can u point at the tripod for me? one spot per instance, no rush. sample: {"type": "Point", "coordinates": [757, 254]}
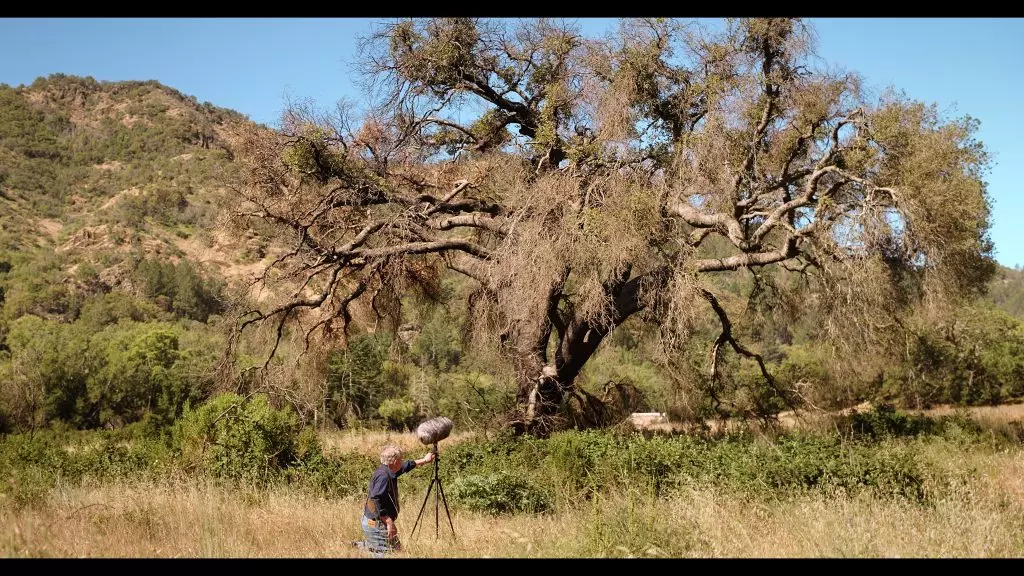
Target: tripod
{"type": "Point", "coordinates": [437, 502]}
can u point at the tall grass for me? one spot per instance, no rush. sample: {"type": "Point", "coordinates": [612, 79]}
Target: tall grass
{"type": "Point", "coordinates": [983, 516]}
{"type": "Point", "coordinates": [896, 485]}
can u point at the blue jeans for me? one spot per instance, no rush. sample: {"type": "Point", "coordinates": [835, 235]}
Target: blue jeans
{"type": "Point", "coordinates": [377, 541]}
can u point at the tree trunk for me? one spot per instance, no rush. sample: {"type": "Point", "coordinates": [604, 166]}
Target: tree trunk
{"type": "Point", "coordinates": [543, 386]}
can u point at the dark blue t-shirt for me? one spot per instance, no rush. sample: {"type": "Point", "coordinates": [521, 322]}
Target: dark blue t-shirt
{"type": "Point", "coordinates": [382, 498]}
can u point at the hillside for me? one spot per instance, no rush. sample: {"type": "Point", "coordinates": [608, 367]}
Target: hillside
{"type": "Point", "coordinates": [96, 177]}
{"type": "Point", "coordinates": [1007, 291]}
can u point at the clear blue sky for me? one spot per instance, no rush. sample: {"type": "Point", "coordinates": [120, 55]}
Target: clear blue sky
{"type": "Point", "coordinates": [966, 66]}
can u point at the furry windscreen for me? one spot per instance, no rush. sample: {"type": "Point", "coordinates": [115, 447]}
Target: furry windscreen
{"type": "Point", "coordinates": [434, 430]}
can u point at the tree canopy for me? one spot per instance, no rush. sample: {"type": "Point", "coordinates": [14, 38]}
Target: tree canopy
{"type": "Point", "coordinates": [581, 182]}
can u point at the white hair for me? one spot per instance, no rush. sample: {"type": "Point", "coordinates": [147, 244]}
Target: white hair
{"type": "Point", "coordinates": [390, 454]}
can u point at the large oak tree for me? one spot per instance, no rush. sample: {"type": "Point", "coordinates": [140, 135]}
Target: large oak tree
{"type": "Point", "coordinates": [581, 182]}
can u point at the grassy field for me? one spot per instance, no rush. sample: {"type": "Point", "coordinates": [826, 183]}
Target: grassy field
{"type": "Point", "coordinates": [974, 508]}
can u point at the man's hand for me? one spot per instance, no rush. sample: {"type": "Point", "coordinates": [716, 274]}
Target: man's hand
{"type": "Point", "coordinates": [426, 459]}
{"type": "Point", "coordinates": [392, 531]}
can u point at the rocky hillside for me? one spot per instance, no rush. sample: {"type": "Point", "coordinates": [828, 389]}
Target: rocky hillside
{"type": "Point", "coordinates": [97, 179]}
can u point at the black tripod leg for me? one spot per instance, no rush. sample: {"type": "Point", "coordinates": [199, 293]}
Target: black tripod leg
{"type": "Point", "coordinates": [444, 499]}
{"type": "Point", "coordinates": [424, 505]}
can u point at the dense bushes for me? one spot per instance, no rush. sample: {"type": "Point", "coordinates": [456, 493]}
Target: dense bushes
{"type": "Point", "coordinates": [31, 464]}
{"type": "Point", "coordinates": [583, 465]}
{"type": "Point", "coordinates": [247, 442]}
{"type": "Point", "coordinates": [974, 357]}
{"type": "Point", "coordinates": [242, 441]}
{"type": "Point", "coordinates": [335, 476]}
{"type": "Point", "coordinates": [91, 375]}
{"type": "Point", "coordinates": [238, 438]}
{"type": "Point", "coordinates": [500, 493]}
{"type": "Point", "coordinates": [180, 288]}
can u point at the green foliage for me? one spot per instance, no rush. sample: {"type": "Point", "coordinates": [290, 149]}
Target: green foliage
{"type": "Point", "coordinates": [335, 477]}
{"type": "Point", "coordinates": [32, 464]}
{"type": "Point", "coordinates": [399, 413]}
{"type": "Point", "coordinates": [361, 377]}
{"type": "Point", "coordinates": [621, 364]}
{"type": "Point", "coordinates": [329, 477]}
{"type": "Point", "coordinates": [105, 309]}
{"type": "Point", "coordinates": [438, 344]}
{"type": "Point", "coordinates": [802, 365]}
{"type": "Point", "coordinates": [33, 285]}
{"type": "Point", "coordinates": [585, 465]}
{"type": "Point", "coordinates": [469, 398]}
{"type": "Point", "coordinates": [884, 422]}
{"type": "Point", "coordinates": [573, 461]}
{"type": "Point", "coordinates": [180, 288]}
{"type": "Point", "coordinates": [500, 493]}
{"type": "Point", "coordinates": [90, 375]}
{"type": "Point", "coordinates": [243, 439]}
{"type": "Point", "coordinates": [976, 356]}
{"type": "Point", "coordinates": [47, 376]}
{"type": "Point", "coordinates": [146, 371]}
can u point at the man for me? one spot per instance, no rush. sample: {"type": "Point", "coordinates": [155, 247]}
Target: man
{"type": "Point", "coordinates": [381, 508]}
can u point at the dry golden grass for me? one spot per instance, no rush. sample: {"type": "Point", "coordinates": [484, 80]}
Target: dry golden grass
{"type": "Point", "coordinates": [1003, 417]}
{"type": "Point", "coordinates": [981, 515]}
{"type": "Point", "coordinates": [991, 417]}
{"type": "Point", "coordinates": [369, 442]}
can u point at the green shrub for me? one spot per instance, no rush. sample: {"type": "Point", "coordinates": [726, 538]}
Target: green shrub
{"type": "Point", "coordinates": [500, 493]}
{"type": "Point", "coordinates": [576, 461]}
{"type": "Point", "coordinates": [399, 413]}
{"type": "Point", "coordinates": [243, 439]}
{"type": "Point", "coordinates": [325, 476]}
{"type": "Point", "coordinates": [885, 421]}
{"type": "Point", "coordinates": [32, 464]}
{"type": "Point", "coordinates": [577, 465]}
{"type": "Point", "coordinates": [333, 477]}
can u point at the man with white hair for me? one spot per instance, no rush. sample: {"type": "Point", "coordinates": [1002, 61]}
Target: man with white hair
{"type": "Point", "coordinates": [381, 508]}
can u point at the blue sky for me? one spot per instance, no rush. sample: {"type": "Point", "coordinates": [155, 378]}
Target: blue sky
{"type": "Point", "coordinates": [966, 66]}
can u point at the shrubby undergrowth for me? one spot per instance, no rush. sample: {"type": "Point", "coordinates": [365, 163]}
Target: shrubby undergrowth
{"type": "Point", "coordinates": [246, 442]}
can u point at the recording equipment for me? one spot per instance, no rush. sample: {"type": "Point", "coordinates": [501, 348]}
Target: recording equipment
{"type": "Point", "coordinates": [434, 430]}
{"type": "Point", "coordinates": [431, 432]}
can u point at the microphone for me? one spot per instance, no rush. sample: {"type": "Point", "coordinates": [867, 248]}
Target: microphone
{"type": "Point", "coordinates": [434, 430]}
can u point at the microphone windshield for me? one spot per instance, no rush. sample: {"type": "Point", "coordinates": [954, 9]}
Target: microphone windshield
{"type": "Point", "coordinates": [434, 430]}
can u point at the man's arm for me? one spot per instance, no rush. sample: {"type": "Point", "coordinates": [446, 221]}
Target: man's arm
{"type": "Point", "coordinates": [429, 457]}
{"type": "Point", "coordinates": [390, 523]}
{"type": "Point", "coordinates": [410, 464]}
